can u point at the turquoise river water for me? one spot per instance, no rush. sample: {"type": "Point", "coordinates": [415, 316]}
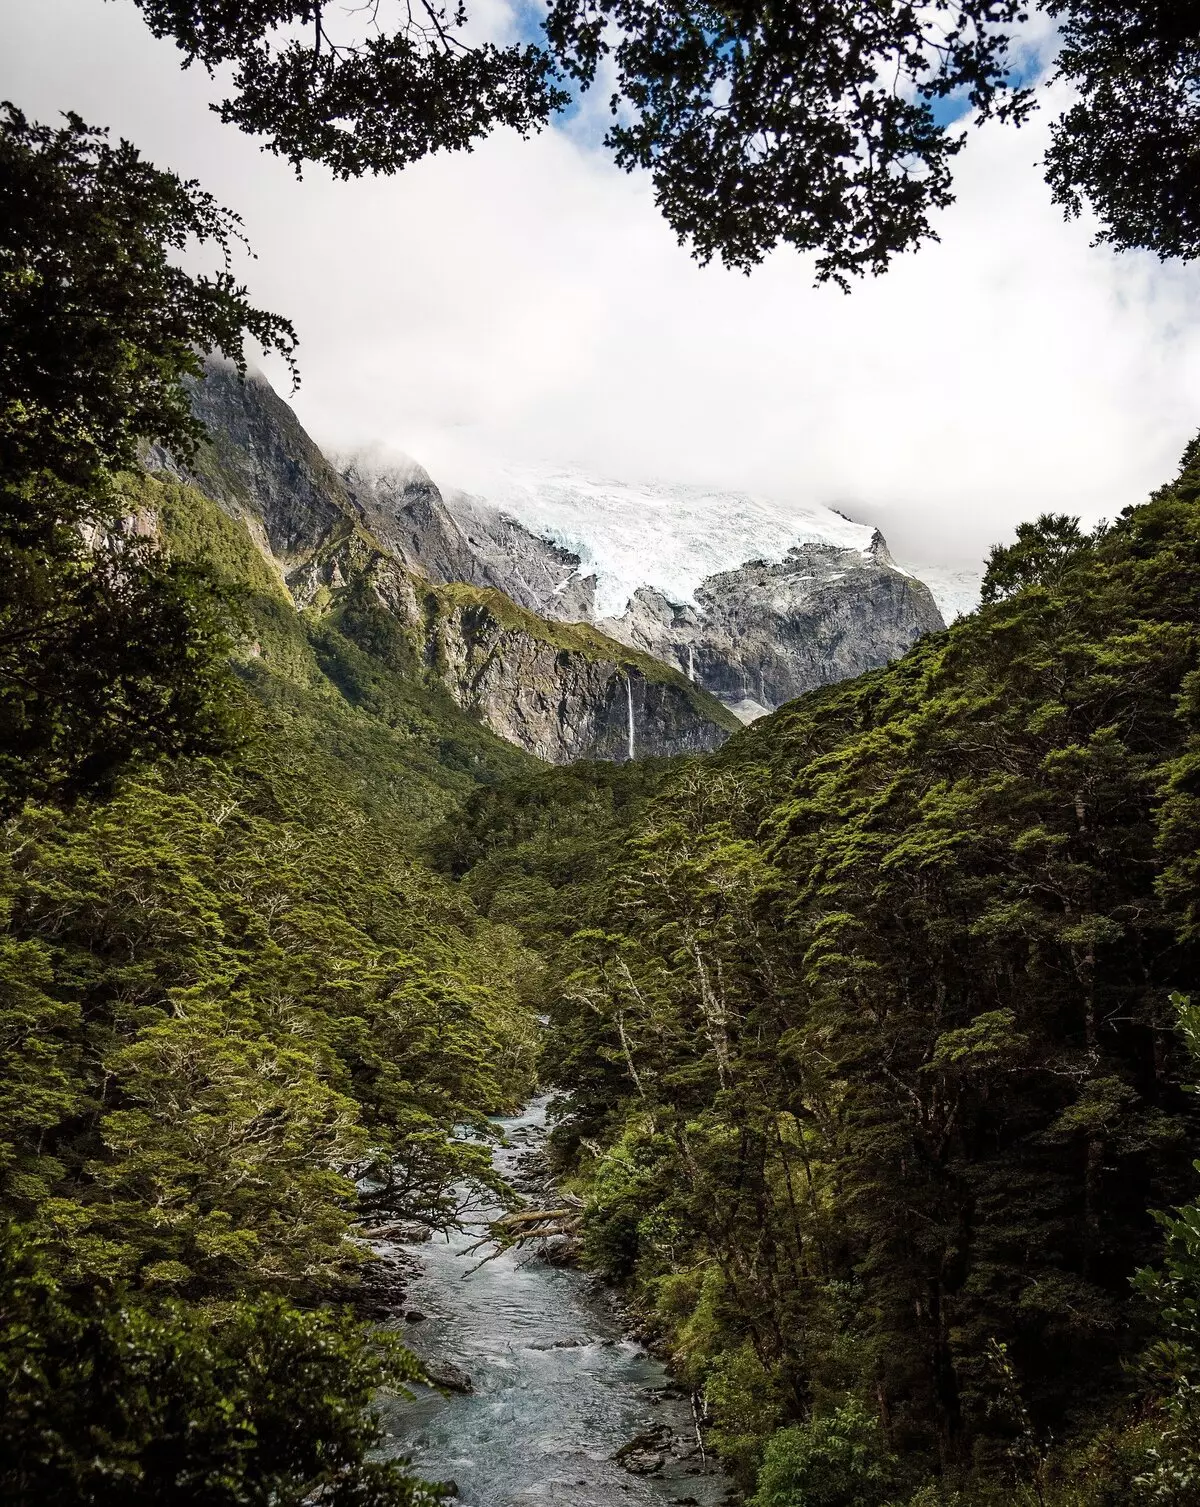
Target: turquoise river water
{"type": "Point", "coordinates": [557, 1387]}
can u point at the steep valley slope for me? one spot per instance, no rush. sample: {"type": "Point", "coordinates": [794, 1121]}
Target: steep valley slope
{"type": "Point", "coordinates": [386, 563]}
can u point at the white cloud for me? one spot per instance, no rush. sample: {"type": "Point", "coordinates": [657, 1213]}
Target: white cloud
{"type": "Point", "coordinates": [526, 303]}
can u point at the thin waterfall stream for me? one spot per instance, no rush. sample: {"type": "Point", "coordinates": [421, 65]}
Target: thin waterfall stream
{"type": "Point", "coordinates": [558, 1389]}
{"type": "Point", "coordinates": [629, 704]}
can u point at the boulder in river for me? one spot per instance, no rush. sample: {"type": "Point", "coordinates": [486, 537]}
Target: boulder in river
{"type": "Point", "coordinates": [449, 1377]}
{"type": "Point", "coordinates": [646, 1452]}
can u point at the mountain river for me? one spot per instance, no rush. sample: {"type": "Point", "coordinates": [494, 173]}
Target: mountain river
{"type": "Point", "coordinates": [557, 1387]}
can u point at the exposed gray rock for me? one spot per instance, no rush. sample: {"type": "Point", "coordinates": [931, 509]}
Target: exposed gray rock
{"type": "Point", "coordinates": [535, 572]}
{"type": "Point", "coordinates": [448, 1376]}
{"type": "Point", "coordinates": [455, 537]}
{"type": "Point", "coordinates": [400, 505]}
{"type": "Point", "coordinates": [561, 705]}
{"type": "Point", "coordinates": [646, 1453]}
{"type": "Point", "coordinates": [767, 632]}
{"type": "Point", "coordinates": [262, 463]}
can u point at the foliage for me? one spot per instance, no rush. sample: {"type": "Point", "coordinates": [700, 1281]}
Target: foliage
{"type": "Point", "coordinates": [227, 999]}
{"type": "Point", "coordinates": [1127, 148]}
{"type": "Point", "coordinates": [99, 323]}
{"type": "Point", "coordinates": [835, 1461]}
{"type": "Point", "coordinates": [765, 124]}
{"type": "Point", "coordinates": [110, 1403]}
{"type": "Point", "coordinates": [238, 1017]}
{"type": "Point", "coordinates": [108, 652]}
{"type": "Point", "coordinates": [866, 1026]}
{"type": "Point", "coordinates": [407, 92]}
{"type": "Point", "coordinates": [825, 127]}
{"type": "Point", "coordinates": [1173, 1362]}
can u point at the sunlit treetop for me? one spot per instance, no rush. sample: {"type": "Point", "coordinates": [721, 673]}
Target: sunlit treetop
{"type": "Point", "coordinates": [827, 125]}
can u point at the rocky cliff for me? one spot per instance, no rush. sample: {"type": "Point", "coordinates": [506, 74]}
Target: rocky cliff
{"type": "Point", "coordinates": [455, 537]}
{"type": "Point", "coordinates": [379, 552]}
{"type": "Point", "coordinates": [767, 632]}
{"type": "Point", "coordinates": [756, 634]}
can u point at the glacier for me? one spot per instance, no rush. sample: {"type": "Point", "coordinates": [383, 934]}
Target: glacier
{"type": "Point", "coordinates": [673, 536]}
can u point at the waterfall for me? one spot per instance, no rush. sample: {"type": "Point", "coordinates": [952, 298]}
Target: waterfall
{"type": "Point", "coordinates": [691, 665]}
{"type": "Point", "coordinates": [629, 704]}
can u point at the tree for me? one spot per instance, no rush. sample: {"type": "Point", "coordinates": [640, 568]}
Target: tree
{"type": "Point", "coordinates": [820, 124]}
{"type": "Point", "coordinates": [867, 1039]}
{"type": "Point", "coordinates": [1172, 1364]}
{"type": "Point", "coordinates": [108, 650]}
{"type": "Point", "coordinates": [837, 1461]}
{"type": "Point", "coordinates": [110, 1403]}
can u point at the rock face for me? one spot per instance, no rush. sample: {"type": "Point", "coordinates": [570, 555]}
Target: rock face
{"type": "Point", "coordinates": [339, 537]}
{"type": "Point", "coordinates": [767, 632]}
{"type": "Point", "coordinates": [455, 537]}
{"type": "Point", "coordinates": [261, 465]}
{"type": "Point", "coordinates": [535, 572]}
{"type": "Point", "coordinates": [554, 699]}
{"type": "Point", "coordinates": [500, 616]}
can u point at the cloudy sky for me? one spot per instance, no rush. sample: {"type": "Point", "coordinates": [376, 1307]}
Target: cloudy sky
{"type": "Point", "coordinates": [524, 304]}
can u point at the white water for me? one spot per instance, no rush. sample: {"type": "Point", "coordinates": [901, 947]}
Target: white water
{"type": "Point", "coordinates": [629, 704]}
{"type": "Point", "coordinates": [557, 1388]}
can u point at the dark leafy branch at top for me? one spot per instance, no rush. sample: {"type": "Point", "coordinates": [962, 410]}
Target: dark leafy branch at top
{"type": "Point", "coordinates": [372, 107]}
{"type": "Point", "coordinates": [813, 124]}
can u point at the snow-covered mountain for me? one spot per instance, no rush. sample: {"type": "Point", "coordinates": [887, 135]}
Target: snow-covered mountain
{"type": "Point", "coordinates": [672, 537]}
{"type": "Point", "coordinates": [755, 602]}
{"type": "Point", "coordinates": [752, 601]}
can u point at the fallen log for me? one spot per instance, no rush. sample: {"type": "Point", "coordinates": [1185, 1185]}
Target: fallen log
{"type": "Point", "coordinates": [531, 1216]}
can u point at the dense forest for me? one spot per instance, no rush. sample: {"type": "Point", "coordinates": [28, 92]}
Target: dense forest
{"type": "Point", "coordinates": [240, 1015]}
{"type": "Point", "coordinates": [868, 1033]}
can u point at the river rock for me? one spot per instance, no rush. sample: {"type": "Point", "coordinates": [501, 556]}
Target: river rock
{"type": "Point", "coordinates": [449, 1377]}
{"type": "Point", "coordinates": [646, 1452]}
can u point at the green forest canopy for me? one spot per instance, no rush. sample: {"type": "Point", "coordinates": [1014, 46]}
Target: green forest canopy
{"type": "Point", "coordinates": [869, 1027]}
{"type": "Point", "coordinates": [238, 1013]}
{"type": "Point", "coordinates": [869, 1021]}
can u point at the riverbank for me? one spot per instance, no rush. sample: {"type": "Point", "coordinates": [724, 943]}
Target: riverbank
{"type": "Point", "coordinates": [558, 1391]}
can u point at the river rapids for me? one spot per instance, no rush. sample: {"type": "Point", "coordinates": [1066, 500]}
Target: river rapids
{"type": "Point", "coordinates": [557, 1387]}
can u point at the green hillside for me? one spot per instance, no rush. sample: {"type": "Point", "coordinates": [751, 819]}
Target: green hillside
{"type": "Point", "coordinates": [362, 710]}
{"type": "Point", "coordinates": [239, 1015]}
{"type": "Point", "coordinates": [869, 1023]}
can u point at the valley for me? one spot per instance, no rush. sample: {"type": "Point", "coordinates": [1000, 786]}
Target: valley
{"type": "Point", "coordinates": [594, 984]}
{"type": "Point", "coordinates": [862, 1052]}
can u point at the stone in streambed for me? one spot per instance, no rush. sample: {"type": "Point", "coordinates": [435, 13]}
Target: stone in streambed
{"type": "Point", "coordinates": [449, 1377]}
{"type": "Point", "coordinates": [646, 1453]}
